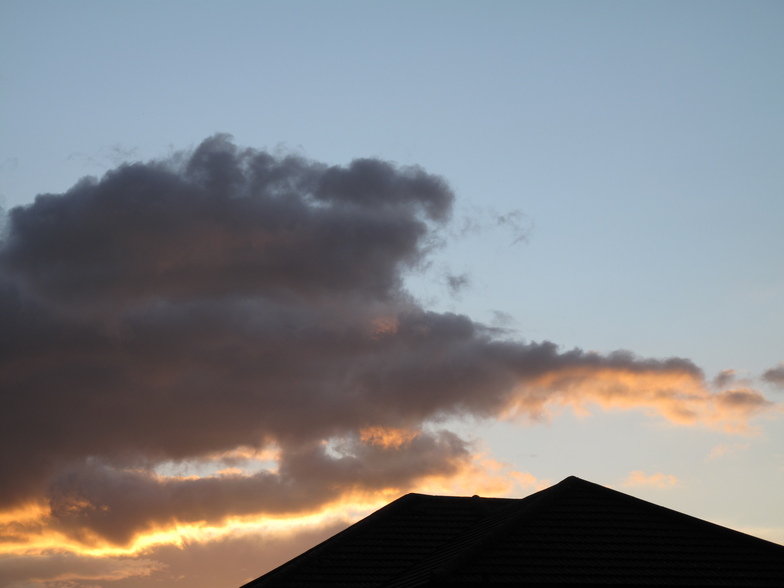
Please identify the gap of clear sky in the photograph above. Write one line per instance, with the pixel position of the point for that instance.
(618, 177)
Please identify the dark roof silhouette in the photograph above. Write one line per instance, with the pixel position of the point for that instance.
(573, 533)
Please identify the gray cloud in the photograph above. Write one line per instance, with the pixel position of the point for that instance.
(119, 503)
(775, 375)
(725, 378)
(231, 298)
(518, 226)
(231, 223)
(457, 282)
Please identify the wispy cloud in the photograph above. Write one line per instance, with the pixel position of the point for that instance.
(658, 480)
(726, 449)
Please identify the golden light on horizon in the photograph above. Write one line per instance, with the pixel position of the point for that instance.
(43, 539)
(35, 532)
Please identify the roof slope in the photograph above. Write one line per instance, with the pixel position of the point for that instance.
(575, 532)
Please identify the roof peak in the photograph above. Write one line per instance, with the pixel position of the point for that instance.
(546, 537)
(567, 481)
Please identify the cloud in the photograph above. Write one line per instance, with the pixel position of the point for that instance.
(229, 224)
(726, 449)
(242, 556)
(119, 504)
(518, 224)
(22, 571)
(775, 376)
(515, 223)
(725, 378)
(457, 282)
(229, 301)
(658, 480)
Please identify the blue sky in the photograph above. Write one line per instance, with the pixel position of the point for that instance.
(637, 146)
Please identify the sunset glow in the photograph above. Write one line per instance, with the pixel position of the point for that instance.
(33, 535)
(261, 277)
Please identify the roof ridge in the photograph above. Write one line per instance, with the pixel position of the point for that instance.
(572, 530)
(572, 481)
(550, 498)
(448, 551)
(528, 508)
(683, 516)
(291, 565)
(451, 555)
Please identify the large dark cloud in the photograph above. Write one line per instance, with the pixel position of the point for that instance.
(230, 298)
(231, 223)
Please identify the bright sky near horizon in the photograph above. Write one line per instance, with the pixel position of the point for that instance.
(194, 392)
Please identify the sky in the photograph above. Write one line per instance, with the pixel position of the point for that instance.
(267, 266)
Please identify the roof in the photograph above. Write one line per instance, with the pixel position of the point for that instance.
(572, 533)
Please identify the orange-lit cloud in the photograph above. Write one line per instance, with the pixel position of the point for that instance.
(679, 396)
(384, 326)
(658, 480)
(726, 449)
(62, 568)
(85, 556)
(386, 437)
